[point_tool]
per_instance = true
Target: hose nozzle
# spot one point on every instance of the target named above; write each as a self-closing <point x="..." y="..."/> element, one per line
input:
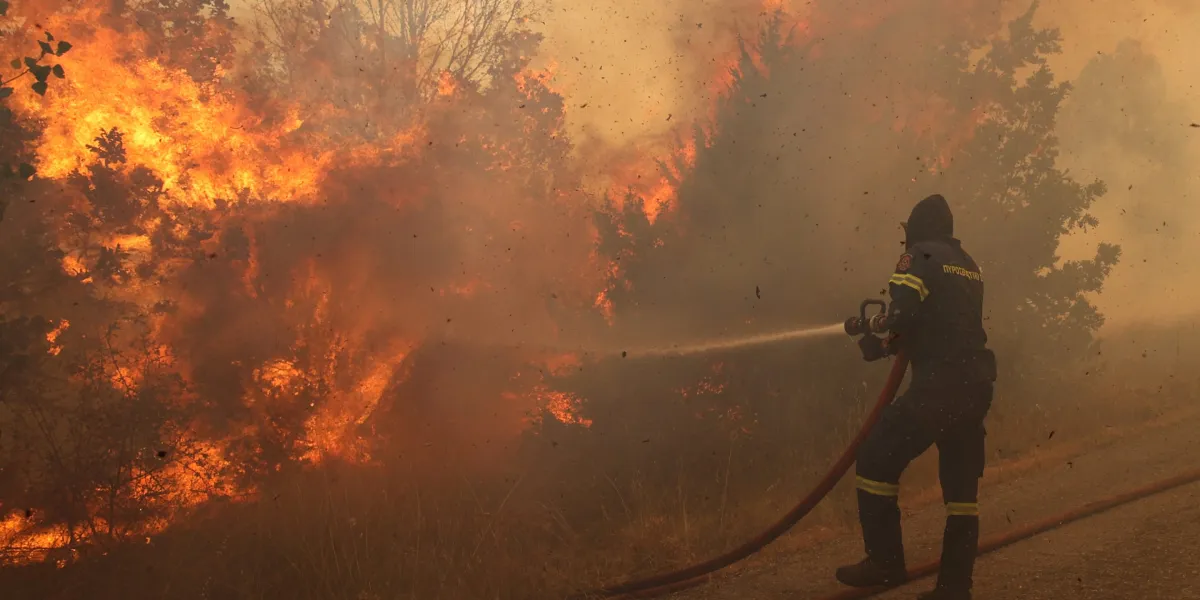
<point x="862" y="324"/>
<point x="855" y="326"/>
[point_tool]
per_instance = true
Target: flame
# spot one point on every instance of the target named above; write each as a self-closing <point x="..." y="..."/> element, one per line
<point x="447" y="85"/>
<point x="188" y="483"/>
<point x="562" y="406"/>
<point x="936" y="122"/>
<point x="52" y="337"/>
<point x="331" y="430"/>
<point x="654" y="178"/>
<point x="603" y="301"/>
<point x="212" y="147"/>
<point x="25" y="539"/>
<point x="532" y="80"/>
<point x="280" y="375"/>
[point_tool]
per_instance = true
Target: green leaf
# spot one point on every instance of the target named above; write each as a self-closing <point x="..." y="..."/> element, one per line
<point x="41" y="72"/>
<point x="46" y="49"/>
<point x="30" y="61"/>
<point x="5" y="92"/>
<point x="3" y="8"/>
<point x="16" y="63"/>
<point x="40" y="87"/>
<point x="26" y="170"/>
<point x="58" y="71"/>
<point x="49" y="37"/>
<point x="62" y="48"/>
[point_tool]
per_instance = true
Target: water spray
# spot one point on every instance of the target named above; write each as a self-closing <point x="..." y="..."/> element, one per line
<point x="677" y="349"/>
<point x="860" y="325"/>
<point x="740" y="342"/>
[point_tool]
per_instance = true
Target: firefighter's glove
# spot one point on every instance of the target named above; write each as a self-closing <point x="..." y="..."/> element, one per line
<point x="872" y="347"/>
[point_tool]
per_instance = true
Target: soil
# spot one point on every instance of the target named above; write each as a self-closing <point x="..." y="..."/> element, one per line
<point x="1147" y="549"/>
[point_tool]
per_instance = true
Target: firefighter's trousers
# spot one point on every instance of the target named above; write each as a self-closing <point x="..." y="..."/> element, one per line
<point x="951" y="417"/>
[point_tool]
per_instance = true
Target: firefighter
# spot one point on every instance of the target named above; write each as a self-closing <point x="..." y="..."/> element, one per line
<point x="936" y="318"/>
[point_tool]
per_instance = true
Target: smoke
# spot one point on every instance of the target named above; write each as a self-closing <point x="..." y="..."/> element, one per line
<point x="440" y="246"/>
<point x="1134" y="67"/>
<point x="1129" y="122"/>
<point x="633" y="72"/>
<point x="399" y="258"/>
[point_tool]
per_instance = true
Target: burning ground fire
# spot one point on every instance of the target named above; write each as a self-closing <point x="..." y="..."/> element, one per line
<point x="289" y="267"/>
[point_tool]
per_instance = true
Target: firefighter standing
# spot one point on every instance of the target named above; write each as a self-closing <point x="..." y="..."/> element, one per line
<point x="936" y="318"/>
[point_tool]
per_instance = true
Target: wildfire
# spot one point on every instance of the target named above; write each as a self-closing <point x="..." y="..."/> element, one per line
<point x="562" y="406"/>
<point x="52" y="337"/>
<point x="603" y="301"/>
<point x="280" y="375"/>
<point x="331" y="431"/>
<point x="24" y="539"/>
<point x="542" y="77"/>
<point x="202" y="143"/>
<point x="171" y="492"/>
<point x="654" y="179"/>
<point x="228" y="167"/>
<point x="447" y="85"/>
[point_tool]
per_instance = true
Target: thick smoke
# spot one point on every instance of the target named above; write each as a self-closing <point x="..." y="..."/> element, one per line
<point x="1129" y="120"/>
<point x="643" y="64"/>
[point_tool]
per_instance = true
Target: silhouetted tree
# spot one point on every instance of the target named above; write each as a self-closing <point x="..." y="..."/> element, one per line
<point x="14" y="167"/>
<point x="799" y="191"/>
<point x="1014" y="205"/>
<point x="380" y="60"/>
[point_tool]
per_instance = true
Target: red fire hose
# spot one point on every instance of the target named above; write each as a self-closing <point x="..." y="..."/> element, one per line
<point x="665" y="583"/>
<point x="697" y="574"/>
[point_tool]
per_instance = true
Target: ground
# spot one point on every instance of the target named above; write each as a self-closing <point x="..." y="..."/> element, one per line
<point x="1144" y="550"/>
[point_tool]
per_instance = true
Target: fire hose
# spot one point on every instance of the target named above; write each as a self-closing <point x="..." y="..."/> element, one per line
<point x="699" y="573"/>
<point x="665" y="583"/>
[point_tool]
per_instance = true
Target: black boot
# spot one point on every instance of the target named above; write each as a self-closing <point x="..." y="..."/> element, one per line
<point x="959" y="545"/>
<point x="868" y="573"/>
<point x="941" y="593"/>
<point x="882" y="537"/>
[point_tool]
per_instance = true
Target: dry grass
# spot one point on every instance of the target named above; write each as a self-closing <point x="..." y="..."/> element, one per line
<point x="353" y="533"/>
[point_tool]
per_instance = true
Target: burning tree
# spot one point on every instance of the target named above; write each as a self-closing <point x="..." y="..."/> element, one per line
<point x="98" y="444"/>
<point x="214" y="291"/>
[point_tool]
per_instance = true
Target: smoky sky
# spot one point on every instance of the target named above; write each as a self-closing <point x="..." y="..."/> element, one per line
<point x="1134" y="65"/>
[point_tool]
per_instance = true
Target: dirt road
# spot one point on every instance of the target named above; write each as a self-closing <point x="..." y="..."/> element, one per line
<point x="1146" y="550"/>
